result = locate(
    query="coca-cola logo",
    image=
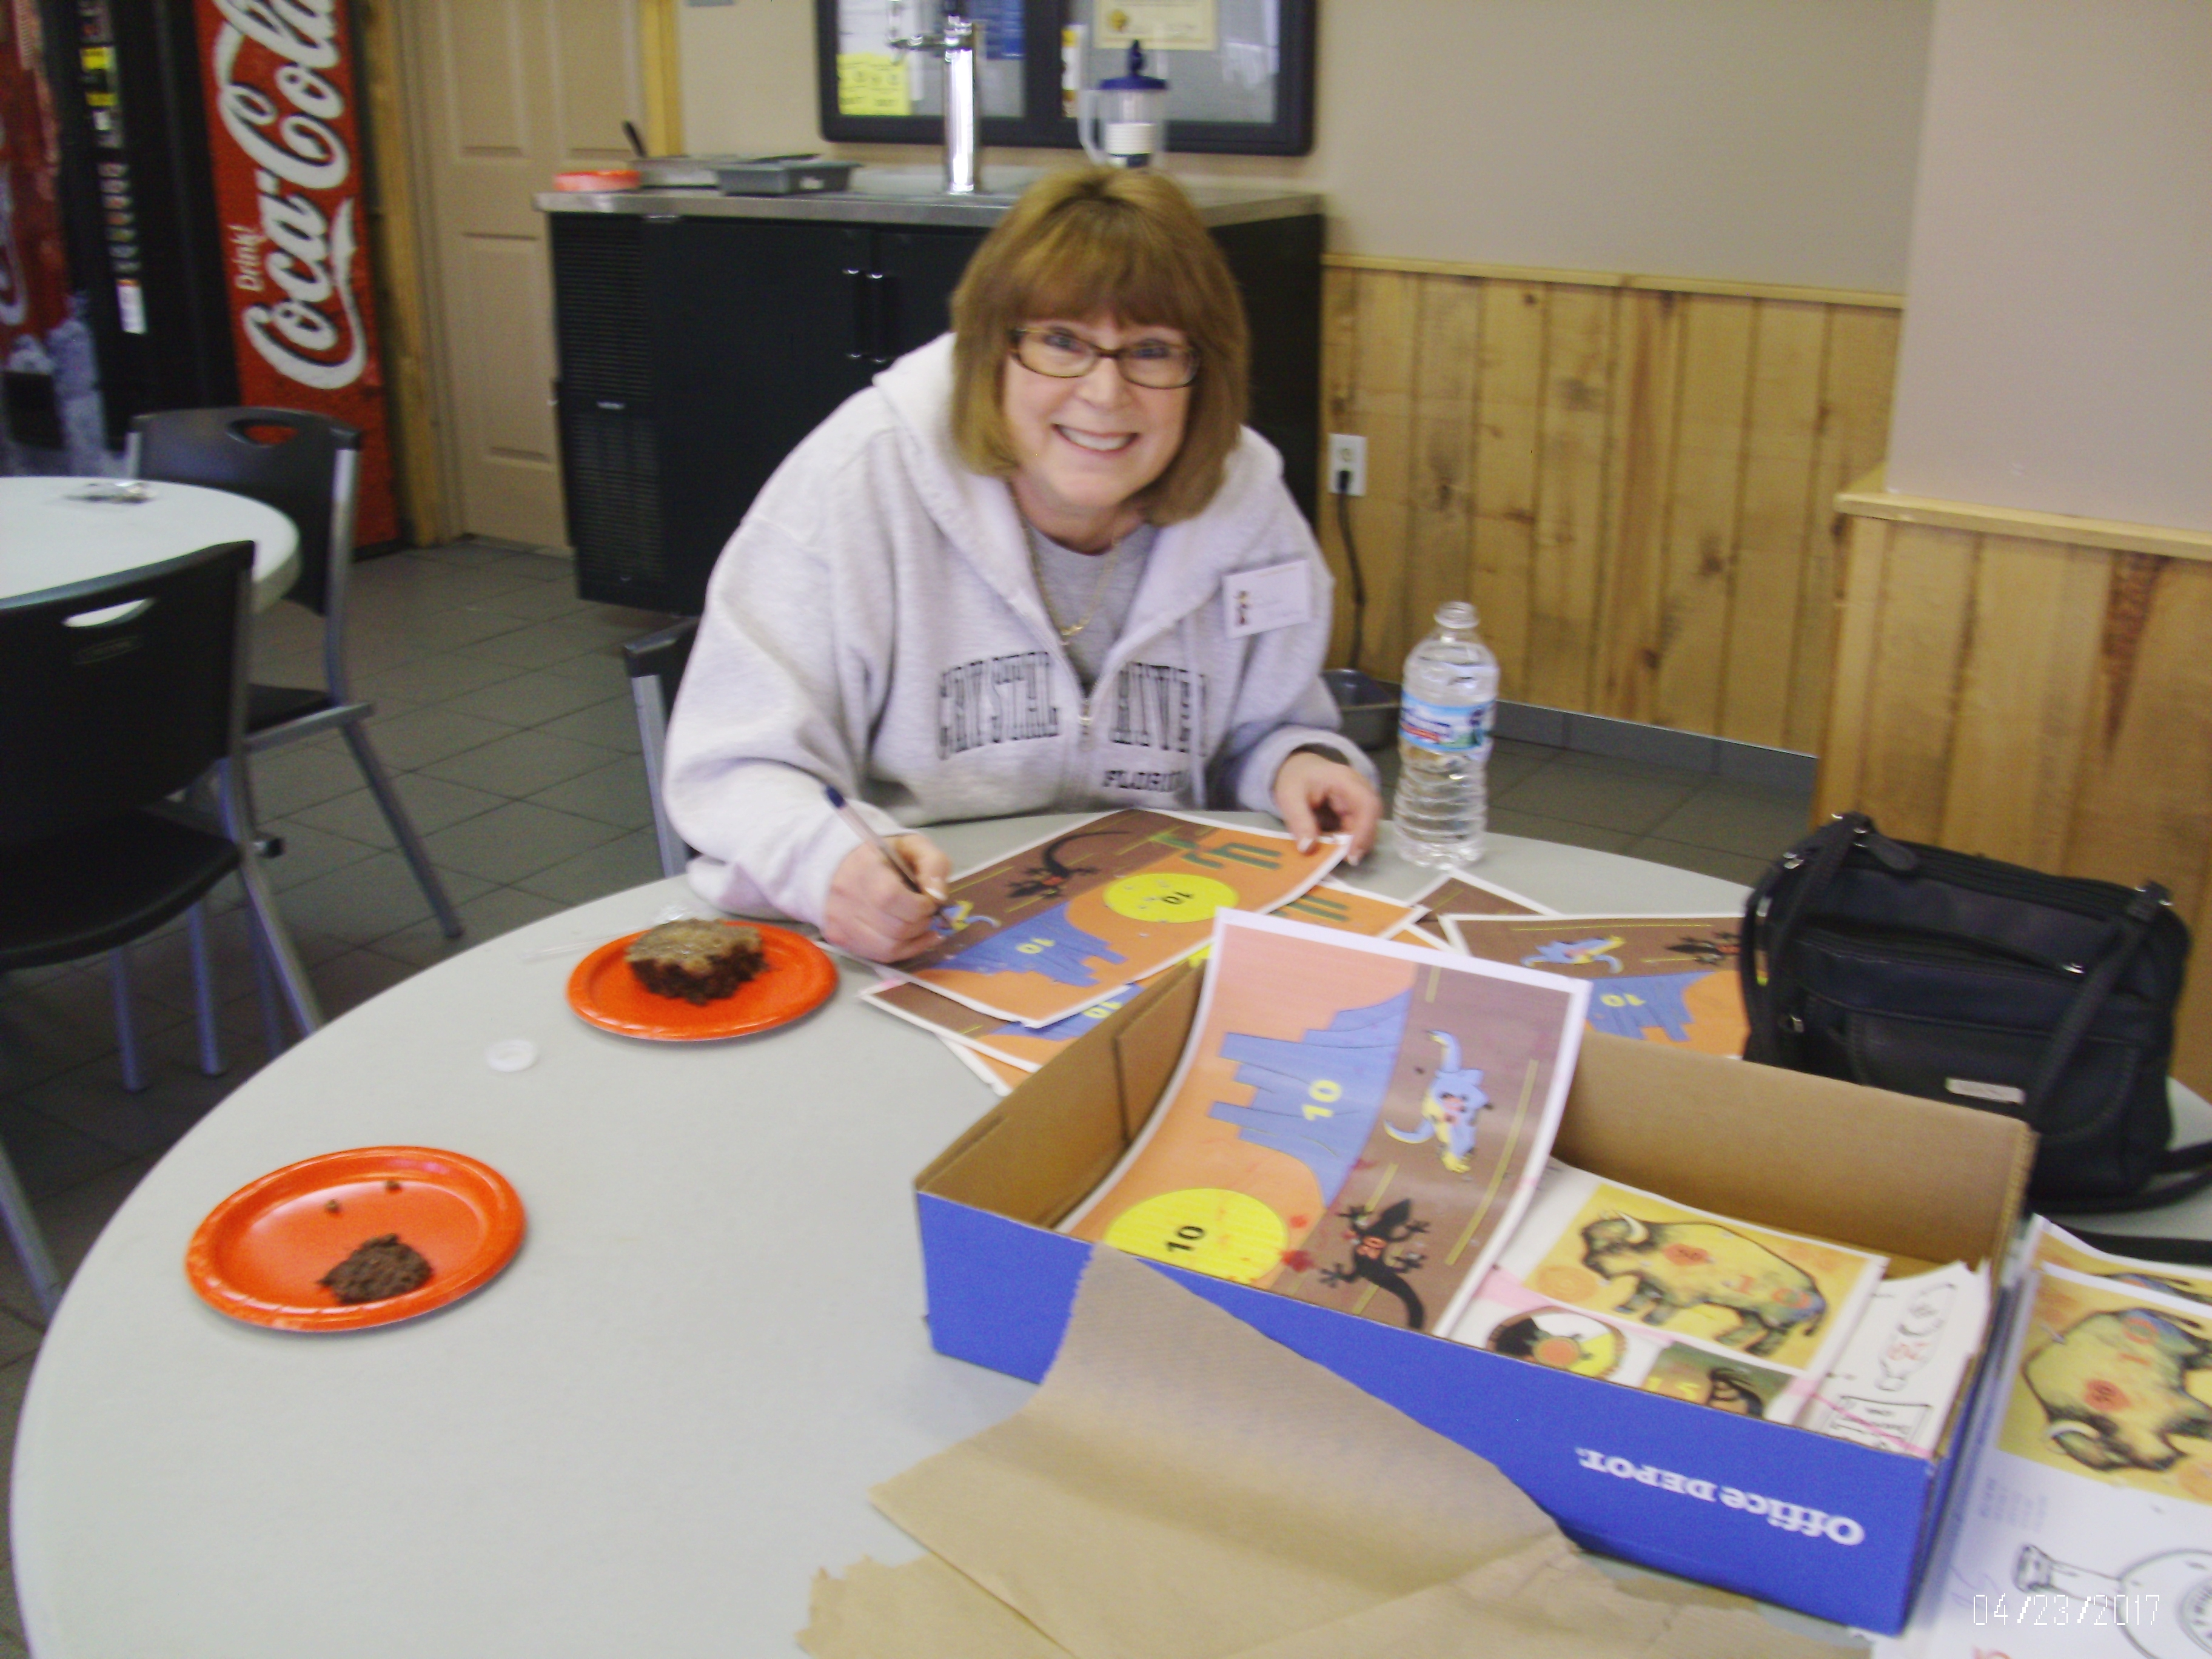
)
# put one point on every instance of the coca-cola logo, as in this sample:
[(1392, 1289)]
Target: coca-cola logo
[(290, 130)]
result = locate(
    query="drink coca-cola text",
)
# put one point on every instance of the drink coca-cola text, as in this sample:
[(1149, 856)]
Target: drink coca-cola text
[(290, 131)]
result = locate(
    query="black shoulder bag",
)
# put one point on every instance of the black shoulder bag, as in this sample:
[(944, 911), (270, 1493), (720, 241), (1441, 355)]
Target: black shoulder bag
[(2048, 998)]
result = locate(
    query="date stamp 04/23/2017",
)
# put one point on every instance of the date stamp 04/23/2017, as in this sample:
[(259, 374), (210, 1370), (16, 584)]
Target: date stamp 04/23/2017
[(2054, 1610)]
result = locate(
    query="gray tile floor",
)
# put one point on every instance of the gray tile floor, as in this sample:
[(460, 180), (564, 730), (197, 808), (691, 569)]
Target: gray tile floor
[(504, 713)]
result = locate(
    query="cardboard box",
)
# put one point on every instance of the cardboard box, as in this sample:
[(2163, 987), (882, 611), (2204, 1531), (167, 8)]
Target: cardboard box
[(1833, 1529)]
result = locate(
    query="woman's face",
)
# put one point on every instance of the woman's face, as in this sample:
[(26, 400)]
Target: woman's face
[(1086, 445)]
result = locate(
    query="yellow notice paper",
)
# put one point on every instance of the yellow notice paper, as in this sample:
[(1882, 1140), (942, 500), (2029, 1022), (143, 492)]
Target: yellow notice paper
[(1180, 1487), (871, 83)]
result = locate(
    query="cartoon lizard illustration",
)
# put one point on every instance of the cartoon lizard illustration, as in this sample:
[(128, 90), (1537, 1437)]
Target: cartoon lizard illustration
[(1448, 1109), (1373, 1258), (1575, 953), (1048, 877)]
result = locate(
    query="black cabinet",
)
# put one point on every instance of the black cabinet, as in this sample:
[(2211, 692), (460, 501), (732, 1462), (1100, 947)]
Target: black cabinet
[(696, 351)]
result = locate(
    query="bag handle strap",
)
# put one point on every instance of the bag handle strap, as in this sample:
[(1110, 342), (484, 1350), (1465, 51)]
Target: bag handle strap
[(1769, 929), (2186, 1252), (2131, 927)]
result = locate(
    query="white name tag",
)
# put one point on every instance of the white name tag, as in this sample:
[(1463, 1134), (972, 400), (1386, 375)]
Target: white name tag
[(1256, 601)]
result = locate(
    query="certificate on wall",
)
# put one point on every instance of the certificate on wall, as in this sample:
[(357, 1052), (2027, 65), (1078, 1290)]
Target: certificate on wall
[(1160, 24)]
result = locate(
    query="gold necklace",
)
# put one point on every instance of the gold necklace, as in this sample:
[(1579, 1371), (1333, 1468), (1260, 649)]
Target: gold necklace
[(1067, 632)]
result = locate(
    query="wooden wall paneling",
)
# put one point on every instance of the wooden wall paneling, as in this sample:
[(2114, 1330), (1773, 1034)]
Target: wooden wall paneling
[(1377, 404), (1647, 363), (1775, 519), (1506, 461), (1440, 515), (2024, 699), (1855, 394), (1912, 692), (1704, 487), (1843, 744), (2192, 1047), (1567, 579), (1339, 372), (396, 253), (2145, 800)]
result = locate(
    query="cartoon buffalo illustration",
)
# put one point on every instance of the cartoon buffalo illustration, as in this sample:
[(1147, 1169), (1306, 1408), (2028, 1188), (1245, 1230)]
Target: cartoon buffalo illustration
[(2115, 1386), (1681, 1265)]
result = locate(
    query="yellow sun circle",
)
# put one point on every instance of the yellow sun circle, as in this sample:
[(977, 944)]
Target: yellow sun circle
[(1208, 1230), (1161, 895)]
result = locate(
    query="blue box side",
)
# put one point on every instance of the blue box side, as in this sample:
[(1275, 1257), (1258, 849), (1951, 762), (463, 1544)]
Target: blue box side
[(1676, 1487)]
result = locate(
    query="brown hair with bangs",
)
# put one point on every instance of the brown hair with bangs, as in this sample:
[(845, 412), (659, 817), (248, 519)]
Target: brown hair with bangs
[(1123, 243)]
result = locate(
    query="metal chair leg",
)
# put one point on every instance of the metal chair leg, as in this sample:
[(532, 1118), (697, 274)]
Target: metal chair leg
[(28, 1238), (204, 990), (403, 827), (291, 973), (264, 994), (126, 1019)]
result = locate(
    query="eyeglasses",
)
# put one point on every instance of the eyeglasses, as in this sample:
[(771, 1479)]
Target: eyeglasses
[(1155, 363)]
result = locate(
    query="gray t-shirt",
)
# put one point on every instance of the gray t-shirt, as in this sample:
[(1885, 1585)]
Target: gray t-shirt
[(1070, 580)]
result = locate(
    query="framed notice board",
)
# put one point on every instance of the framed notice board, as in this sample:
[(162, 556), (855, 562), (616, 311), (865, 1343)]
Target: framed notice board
[(1240, 73)]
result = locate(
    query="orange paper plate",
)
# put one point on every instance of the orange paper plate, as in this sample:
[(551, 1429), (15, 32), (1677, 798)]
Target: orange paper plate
[(798, 980), (259, 1252)]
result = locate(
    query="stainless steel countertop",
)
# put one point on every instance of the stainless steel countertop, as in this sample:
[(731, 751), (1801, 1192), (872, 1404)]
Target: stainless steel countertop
[(892, 196)]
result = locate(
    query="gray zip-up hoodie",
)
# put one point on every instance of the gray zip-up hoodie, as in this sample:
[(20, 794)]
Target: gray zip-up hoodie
[(875, 623)]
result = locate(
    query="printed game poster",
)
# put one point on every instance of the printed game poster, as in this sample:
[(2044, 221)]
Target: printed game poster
[(1027, 1048), (1607, 1280), (1354, 1123), (1048, 930), (1662, 979), (1468, 896), (2083, 1526)]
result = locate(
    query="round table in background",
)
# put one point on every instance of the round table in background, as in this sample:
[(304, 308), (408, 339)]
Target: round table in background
[(651, 1430), (50, 536)]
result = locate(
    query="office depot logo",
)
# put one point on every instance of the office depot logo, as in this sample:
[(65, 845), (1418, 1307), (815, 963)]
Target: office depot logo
[(1799, 1518)]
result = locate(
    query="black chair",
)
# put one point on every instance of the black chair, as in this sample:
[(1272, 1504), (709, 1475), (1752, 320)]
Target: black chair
[(117, 694), (306, 466), (656, 664)]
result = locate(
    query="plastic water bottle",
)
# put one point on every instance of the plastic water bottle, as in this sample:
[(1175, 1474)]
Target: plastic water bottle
[(1449, 705)]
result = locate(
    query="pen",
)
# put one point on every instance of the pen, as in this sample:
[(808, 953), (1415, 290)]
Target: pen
[(860, 827)]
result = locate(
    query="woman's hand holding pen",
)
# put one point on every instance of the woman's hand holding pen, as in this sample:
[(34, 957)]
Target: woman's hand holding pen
[(874, 914)]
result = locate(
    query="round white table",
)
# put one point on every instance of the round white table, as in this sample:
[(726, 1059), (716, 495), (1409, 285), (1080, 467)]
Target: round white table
[(51, 536), (649, 1432)]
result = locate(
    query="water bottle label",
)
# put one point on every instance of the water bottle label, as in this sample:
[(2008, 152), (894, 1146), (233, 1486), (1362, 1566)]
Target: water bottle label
[(1447, 729)]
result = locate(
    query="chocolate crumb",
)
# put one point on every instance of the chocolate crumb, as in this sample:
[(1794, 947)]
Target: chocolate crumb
[(333, 1207), (390, 1186), (380, 1268)]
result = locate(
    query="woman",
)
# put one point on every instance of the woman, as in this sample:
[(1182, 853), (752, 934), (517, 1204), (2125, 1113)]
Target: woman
[(1038, 566)]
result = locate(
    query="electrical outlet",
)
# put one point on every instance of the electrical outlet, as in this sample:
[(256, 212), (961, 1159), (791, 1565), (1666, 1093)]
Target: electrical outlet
[(1347, 453)]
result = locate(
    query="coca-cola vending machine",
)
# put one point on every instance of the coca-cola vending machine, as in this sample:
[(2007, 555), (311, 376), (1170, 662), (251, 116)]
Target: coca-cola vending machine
[(211, 179)]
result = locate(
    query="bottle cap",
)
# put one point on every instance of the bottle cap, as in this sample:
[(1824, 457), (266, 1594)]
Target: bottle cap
[(1455, 614)]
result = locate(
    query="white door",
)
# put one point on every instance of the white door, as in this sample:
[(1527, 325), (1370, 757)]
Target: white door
[(503, 94)]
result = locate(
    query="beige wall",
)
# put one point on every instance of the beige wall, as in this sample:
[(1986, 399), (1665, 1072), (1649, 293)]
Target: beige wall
[(1766, 140), (2057, 354)]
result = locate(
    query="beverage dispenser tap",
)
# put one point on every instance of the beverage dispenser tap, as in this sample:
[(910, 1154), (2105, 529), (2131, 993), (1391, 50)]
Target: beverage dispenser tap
[(961, 45)]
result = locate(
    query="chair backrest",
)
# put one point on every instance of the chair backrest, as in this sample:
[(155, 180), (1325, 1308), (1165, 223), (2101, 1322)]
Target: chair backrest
[(304, 466), (118, 692), (656, 664)]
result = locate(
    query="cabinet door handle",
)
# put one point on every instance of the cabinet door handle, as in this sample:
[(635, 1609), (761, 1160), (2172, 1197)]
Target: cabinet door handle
[(886, 331), (863, 333)]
